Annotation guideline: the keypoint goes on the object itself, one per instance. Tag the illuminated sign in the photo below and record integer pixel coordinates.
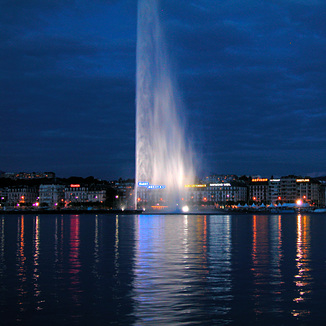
(303, 180)
(143, 184)
(155, 187)
(275, 180)
(74, 186)
(220, 184)
(195, 186)
(259, 180)
(148, 186)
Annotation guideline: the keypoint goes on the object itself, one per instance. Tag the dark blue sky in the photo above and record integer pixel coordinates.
(252, 75)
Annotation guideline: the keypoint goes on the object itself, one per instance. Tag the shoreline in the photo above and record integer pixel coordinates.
(147, 213)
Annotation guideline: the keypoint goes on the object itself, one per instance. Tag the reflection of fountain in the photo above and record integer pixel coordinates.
(162, 156)
(170, 269)
(260, 262)
(182, 270)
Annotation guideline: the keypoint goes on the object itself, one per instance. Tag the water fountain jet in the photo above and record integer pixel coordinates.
(163, 157)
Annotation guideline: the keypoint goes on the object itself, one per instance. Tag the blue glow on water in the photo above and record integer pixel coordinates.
(162, 270)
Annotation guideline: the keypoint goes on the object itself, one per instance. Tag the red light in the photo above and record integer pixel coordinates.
(74, 186)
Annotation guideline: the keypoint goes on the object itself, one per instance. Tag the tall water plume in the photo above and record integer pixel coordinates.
(163, 156)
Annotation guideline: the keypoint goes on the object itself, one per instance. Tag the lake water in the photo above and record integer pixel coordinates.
(162, 270)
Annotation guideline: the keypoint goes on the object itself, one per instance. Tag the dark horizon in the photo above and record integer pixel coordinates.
(198, 178)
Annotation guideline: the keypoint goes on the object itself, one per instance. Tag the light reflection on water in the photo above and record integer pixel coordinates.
(162, 270)
(21, 265)
(36, 253)
(302, 279)
(174, 264)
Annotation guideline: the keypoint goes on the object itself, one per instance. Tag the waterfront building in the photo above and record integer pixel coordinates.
(308, 190)
(217, 194)
(322, 193)
(3, 197)
(151, 196)
(21, 195)
(125, 193)
(51, 195)
(76, 193)
(288, 189)
(154, 198)
(196, 194)
(273, 190)
(258, 190)
(96, 194)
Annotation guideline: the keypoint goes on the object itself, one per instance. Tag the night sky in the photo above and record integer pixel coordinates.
(252, 75)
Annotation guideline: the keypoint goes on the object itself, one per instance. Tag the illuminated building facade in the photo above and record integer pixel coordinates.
(51, 195)
(221, 193)
(153, 196)
(309, 190)
(3, 196)
(96, 194)
(76, 193)
(322, 193)
(258, 190)
(288, 189)
(273, 190)
(125, 191)
(21, 195)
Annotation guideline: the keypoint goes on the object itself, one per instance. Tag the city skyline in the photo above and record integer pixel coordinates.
(252, 76)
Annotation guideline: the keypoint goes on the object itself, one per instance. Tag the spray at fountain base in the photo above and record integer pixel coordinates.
(160, 198)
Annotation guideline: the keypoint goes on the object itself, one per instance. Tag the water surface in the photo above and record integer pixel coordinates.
(162, 270)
